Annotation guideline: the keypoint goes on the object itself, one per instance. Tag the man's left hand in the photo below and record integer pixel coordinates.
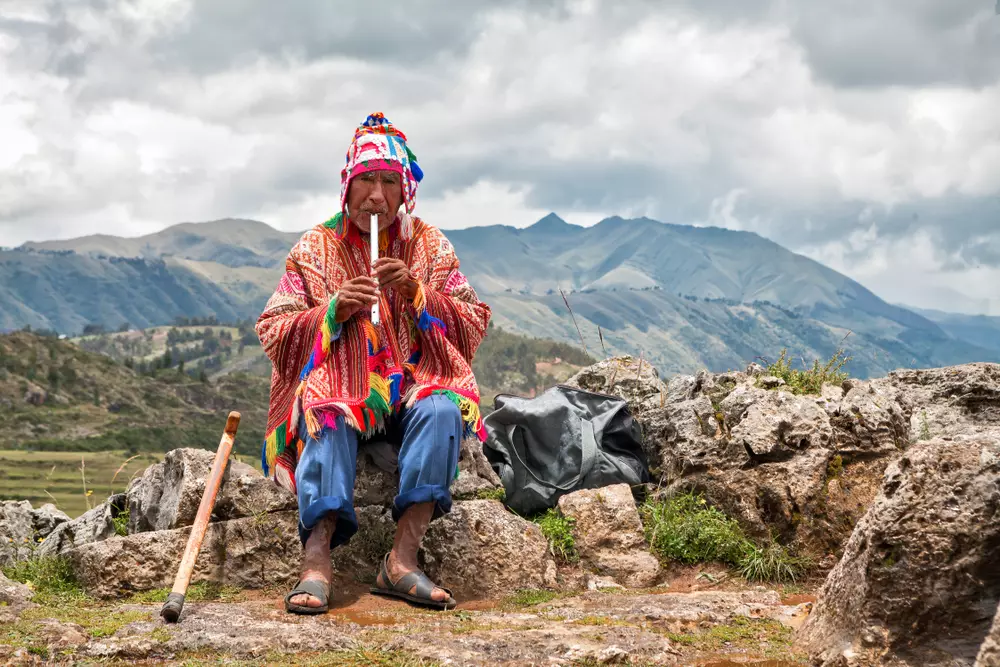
(392, 272)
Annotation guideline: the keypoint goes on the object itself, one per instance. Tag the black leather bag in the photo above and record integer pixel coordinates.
(563, 440)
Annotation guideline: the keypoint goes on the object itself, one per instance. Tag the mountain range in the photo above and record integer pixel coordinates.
(682, 297)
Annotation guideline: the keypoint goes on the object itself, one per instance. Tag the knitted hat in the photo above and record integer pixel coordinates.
(378, 144)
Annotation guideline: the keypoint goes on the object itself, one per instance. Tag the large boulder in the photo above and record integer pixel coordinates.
(480, 550)
(168, 494)
(919, 580)
(22, 528)
(608, 535)
(92, 526)
(16, 531)
(14, 598)
(252, 552)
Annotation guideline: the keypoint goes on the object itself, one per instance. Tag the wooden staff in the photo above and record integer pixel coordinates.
(175, 601)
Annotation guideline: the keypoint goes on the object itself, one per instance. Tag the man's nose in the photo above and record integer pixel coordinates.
(377, 193)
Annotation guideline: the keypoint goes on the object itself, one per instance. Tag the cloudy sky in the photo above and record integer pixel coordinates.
(863, 133)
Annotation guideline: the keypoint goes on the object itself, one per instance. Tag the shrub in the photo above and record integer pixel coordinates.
(810, 380)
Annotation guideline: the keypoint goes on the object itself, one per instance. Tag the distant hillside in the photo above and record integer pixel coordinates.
(684, 297)
(981, 330)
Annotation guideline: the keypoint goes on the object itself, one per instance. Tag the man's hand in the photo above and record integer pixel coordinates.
(394, 273)
(354, 295)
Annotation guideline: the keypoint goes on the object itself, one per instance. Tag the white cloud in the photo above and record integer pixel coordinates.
(117, 117)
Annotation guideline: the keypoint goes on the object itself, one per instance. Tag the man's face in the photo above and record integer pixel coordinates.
(374, 192)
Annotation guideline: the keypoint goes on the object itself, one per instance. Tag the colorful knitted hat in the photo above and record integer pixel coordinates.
(378, 144)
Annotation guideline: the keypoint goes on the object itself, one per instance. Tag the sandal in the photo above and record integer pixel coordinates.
(313, 587)
(424, 587)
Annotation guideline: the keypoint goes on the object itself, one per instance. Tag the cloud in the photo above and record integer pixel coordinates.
(843, 131)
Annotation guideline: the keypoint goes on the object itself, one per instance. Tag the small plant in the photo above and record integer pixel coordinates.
(558, 530)
(925, 429)
(491, 494)
(835, 468)
(685, 528)
(811, 380)
(120, 523)
(772, 563)
(50, 577)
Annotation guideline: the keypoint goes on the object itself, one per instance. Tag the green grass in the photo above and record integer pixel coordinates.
(529, 597)
(199, 591)
(810, 380)
(686, 529)
(739, 633)
(55, 477)
(50, 578)
(558, 530)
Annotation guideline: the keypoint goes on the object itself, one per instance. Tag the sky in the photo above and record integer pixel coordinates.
(862, 133)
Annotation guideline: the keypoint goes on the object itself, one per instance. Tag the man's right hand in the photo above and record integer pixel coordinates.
(354, 295)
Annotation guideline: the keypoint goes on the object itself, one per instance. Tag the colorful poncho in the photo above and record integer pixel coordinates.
(357, 370)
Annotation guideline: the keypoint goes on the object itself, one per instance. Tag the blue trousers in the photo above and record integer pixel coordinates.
(429, 435)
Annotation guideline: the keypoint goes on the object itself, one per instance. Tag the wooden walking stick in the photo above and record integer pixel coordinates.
(175, 601)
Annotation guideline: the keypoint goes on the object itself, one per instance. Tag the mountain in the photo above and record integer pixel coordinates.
(684, 297)
(981, 330)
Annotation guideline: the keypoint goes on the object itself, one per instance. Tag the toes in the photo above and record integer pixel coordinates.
(305, 600)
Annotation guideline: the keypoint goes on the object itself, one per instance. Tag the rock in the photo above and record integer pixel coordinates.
(46, 519)
(14, 598)
(475, 474)
(35, 395)
(252, 552)
(919, 580)
(779, 425)
(16, 531)
(92, 526)
(770, 382)
(480, 550)
(168, 493)
(608, 535)
(804, 468)
(989, 652)
(596, 582)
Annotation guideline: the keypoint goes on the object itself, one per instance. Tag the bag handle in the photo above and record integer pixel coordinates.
(588, 455)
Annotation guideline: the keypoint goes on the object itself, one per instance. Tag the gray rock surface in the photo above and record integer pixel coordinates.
(168, 493)
(919, 581)
(92, 526)
(14, 598)
(16, 531)
(22, 528)
(252, 552)
(480, 550)
(608, 535)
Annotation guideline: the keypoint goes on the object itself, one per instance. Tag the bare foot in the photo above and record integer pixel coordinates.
(316, 564)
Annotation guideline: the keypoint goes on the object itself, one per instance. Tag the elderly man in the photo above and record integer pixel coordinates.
(338, 377)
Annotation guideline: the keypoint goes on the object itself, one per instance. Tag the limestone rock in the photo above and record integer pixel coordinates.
(46, 519)
(780, 425)
(16, 530)
(608, 535)
(989, 652)
(920, 576)
(252, 552)
(168, 493)
(92, 526)
(475, 474)
(480, 550)
(358, 560)
(14, 598)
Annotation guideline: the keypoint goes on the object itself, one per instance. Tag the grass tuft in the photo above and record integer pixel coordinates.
(558, 530)
(810, 380)
(51, 579)
(529, 597)
(685, 528)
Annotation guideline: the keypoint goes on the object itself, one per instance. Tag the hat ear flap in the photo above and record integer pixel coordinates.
(405, 223)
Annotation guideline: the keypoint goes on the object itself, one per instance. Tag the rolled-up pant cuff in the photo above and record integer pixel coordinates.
(439, 495)
(347, 520)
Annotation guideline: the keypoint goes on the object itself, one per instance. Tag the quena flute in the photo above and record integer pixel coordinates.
(374, 244)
